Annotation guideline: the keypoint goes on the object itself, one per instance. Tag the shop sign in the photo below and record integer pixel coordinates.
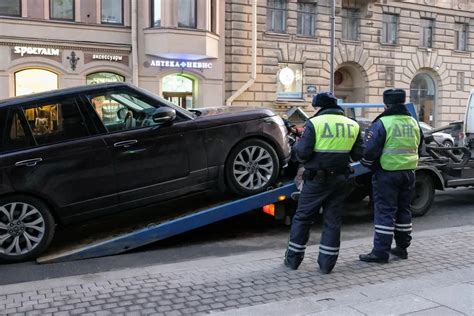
(107, 57)
(28, 50)
(181, 64)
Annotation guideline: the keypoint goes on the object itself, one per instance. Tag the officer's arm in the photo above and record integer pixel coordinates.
(374, 143)
(422, 142)
(304, 148)
(357, 151)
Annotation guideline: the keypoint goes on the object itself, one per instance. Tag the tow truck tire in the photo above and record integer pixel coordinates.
(424, 195)
(26, 228)
(252, 158)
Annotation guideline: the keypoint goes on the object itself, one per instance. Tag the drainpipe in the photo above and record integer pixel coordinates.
(253, 75)
(134, 43)
(333, 43)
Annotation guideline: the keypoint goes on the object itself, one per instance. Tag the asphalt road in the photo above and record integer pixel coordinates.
(245, 233)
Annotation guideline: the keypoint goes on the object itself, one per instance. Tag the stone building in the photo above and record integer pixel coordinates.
(423, 46)
(50, 44)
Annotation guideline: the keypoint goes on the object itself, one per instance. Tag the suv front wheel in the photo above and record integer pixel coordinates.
(252, 167)
(26, 228)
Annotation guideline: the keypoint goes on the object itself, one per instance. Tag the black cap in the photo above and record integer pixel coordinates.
(394, 96)
(324, 100)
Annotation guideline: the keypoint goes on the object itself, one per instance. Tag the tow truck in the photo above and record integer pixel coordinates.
(441, 169)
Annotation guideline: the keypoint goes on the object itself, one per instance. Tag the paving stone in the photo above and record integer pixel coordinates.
(437, 311)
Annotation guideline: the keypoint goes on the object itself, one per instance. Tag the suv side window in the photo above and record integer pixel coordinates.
(13, 135)
(56, 122)
(122, 110)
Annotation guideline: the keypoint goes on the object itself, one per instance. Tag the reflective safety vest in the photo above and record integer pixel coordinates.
(334, 133)
(400, 151)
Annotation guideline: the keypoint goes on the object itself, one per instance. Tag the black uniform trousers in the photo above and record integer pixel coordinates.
(327, 193)
(393, 192)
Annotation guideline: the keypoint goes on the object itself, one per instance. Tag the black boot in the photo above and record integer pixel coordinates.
(399, 252)
(291, 265)
(293, 261)
(371, 257)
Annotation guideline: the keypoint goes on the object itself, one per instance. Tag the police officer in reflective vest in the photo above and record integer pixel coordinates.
(392, 145)
(328, 142)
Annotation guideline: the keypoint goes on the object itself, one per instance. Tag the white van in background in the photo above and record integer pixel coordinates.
(469, 122)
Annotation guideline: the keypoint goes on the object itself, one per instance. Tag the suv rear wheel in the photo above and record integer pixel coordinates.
(26, 228)
(252, 167)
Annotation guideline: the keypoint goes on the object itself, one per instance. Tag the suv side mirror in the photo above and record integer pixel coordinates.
(164, 115)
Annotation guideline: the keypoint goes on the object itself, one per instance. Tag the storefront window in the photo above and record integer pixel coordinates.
(187, 13)
(35, 80)
(156, 18)
(10, 7)
(423, 95)
(290, 81)
(178, 89)
(61, 9)
(112, 11)
(104, 77)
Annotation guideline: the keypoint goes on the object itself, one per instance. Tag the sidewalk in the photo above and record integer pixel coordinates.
(437, 279)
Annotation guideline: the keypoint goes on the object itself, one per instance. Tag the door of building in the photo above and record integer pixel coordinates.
(182, 99)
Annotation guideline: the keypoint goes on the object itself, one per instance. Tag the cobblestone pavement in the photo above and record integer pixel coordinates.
(219, 284)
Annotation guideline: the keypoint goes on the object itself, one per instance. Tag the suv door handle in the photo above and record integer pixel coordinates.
(28, 162)
(126, 143)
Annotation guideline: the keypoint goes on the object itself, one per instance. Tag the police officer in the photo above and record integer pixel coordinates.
(328, 142)
(392, 145)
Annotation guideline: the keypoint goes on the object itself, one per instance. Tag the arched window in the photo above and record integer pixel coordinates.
(179, 88)
(423, 95)
(34, 80)
(103, 77)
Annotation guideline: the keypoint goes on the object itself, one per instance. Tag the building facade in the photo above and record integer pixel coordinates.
(423, 46)
(50, 44)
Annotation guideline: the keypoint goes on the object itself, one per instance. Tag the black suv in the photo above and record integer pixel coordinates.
(82, 152)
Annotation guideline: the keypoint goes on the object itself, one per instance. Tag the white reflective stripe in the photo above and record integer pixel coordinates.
(328, 248)
(367, 162)
(384, 227)
(403, 229)
(331, 253)
(383, 232)
(296, 245)
(403, 225)
(332, 151)
(399, 151)
(294, 249)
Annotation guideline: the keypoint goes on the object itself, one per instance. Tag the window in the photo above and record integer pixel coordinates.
(112, 11)
(307, 19)
(156, 13)
(461, 36)
(276, 16)
(35, 80)
(351, 24)
(10, 7)
(290, 81)
(56, 122)
(426, 36)
(390, 29)
(61, 9)
(103, 77)
(121, 111)
(12, 132)
(187, 11)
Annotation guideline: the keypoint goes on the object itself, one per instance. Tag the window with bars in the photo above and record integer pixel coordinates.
(276, 15)
(10, 7)
(351, 24)
(461, 36)
(390, 29)
(306, 19)
(426, 33)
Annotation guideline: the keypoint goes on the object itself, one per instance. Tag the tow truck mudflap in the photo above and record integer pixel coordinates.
(155, 232)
